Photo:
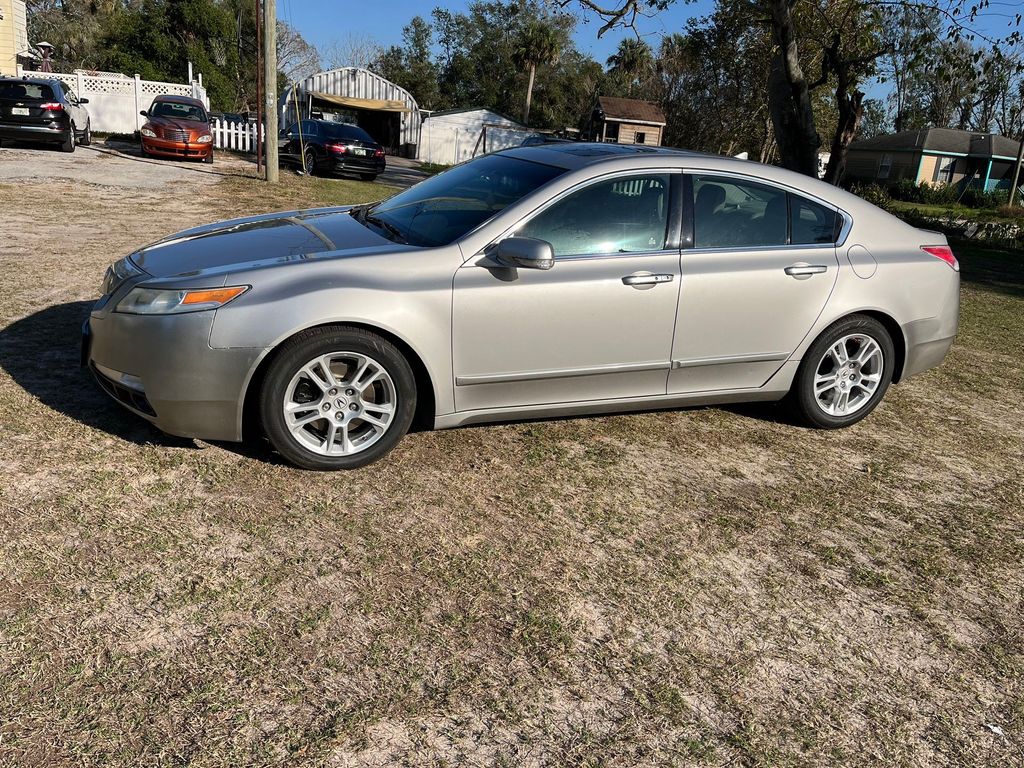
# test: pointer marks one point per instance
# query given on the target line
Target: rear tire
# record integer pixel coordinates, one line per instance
(368, 176)
(844, 374)
(69, 142)
(309, 161)
(344, 416)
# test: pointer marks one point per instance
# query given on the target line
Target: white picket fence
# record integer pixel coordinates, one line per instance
(240, 137)
(115, 100)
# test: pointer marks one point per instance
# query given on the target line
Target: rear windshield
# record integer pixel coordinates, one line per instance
(27, 91)
(344, 131)
(178, 111)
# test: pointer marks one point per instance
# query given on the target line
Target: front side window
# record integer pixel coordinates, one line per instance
(729, 213)
(624, 215)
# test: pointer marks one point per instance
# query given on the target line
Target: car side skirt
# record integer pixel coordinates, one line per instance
(774, 389)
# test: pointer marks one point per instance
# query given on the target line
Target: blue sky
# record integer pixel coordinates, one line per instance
(324, 21)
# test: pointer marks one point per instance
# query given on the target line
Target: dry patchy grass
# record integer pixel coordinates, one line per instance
(697, 587)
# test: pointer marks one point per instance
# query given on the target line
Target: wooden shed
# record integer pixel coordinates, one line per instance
(627, 121)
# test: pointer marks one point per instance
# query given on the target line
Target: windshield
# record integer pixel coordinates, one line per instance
(443, 208)
(179, 111)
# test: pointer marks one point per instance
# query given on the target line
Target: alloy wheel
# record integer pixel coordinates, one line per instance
(848, 374)
(340, 404)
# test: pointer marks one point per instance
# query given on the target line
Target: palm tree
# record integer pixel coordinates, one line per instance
(538, 43)
(632, 63)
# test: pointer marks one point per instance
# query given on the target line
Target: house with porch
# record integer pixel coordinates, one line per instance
(934, 156)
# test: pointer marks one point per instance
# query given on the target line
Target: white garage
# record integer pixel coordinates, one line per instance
(455, 135)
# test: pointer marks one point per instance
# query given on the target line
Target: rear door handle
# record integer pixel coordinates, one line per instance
(646, 279)
(805, 270)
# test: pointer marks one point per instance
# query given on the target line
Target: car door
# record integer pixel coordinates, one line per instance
(597, 325)
(758, 266)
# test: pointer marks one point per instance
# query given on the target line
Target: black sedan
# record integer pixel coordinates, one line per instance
(326, 146)
(45, 110)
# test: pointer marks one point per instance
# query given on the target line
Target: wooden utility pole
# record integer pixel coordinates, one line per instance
(270, 85)
(259, 89)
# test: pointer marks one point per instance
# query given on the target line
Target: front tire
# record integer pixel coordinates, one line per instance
(844, 374)
(368, 176)
(337, 398)
(87, 136)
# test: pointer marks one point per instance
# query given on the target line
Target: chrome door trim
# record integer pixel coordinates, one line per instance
(769, 357)
(559, 373)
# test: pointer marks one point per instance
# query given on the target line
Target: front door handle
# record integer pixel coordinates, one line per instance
(646, 279)
(805, 270)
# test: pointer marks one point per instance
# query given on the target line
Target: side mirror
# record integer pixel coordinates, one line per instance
(83, 101)
(144, 113)
(526, 252)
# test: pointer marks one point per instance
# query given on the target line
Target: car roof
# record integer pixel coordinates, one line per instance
(32, 80)
(174, 99)
(577, 154)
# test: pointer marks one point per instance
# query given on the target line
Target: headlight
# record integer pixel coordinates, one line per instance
(148, 132)
(117, 273)
(205, 139)
(158, 301)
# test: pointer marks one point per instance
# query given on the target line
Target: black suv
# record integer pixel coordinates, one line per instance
(43, 109)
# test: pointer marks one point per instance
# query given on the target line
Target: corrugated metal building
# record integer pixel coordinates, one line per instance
(386, 111)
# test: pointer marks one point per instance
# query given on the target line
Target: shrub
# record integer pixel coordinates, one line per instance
(1011, 211)
(976, 198)
(875, 194)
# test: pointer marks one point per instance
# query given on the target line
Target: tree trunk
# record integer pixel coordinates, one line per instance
(789, 98)
(851, 110)
(529, 95)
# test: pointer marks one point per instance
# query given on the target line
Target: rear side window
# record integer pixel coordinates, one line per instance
(26, 91)
(811, 223)
(729, 213)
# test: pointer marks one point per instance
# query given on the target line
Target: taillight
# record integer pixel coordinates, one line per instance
(943, 252)
(338, 149)
(379, 153)
(52, 106)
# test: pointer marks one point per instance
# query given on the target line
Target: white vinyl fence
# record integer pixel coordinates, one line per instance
(240, 137)
(116, 100)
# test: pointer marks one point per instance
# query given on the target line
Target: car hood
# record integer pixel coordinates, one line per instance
(191, 126)
(258, 241)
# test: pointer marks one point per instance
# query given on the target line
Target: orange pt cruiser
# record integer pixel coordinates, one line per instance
(177, 126)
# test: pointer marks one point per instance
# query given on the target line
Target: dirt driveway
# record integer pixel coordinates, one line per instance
(694, 587)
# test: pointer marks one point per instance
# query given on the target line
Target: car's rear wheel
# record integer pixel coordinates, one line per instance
(309, 161)
(844, 374)
(337, 398)
(368, 176)
(69, 141)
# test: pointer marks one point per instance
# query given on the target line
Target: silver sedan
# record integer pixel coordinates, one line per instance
(541, 281)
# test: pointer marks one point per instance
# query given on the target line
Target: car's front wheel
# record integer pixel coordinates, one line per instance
(309, 161)
(87, 136)
(337, 398)
(844, 374)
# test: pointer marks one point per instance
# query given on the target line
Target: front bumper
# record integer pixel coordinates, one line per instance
(180, 149)
(163, 369)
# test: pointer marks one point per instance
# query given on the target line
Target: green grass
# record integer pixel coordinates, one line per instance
(692, 587)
